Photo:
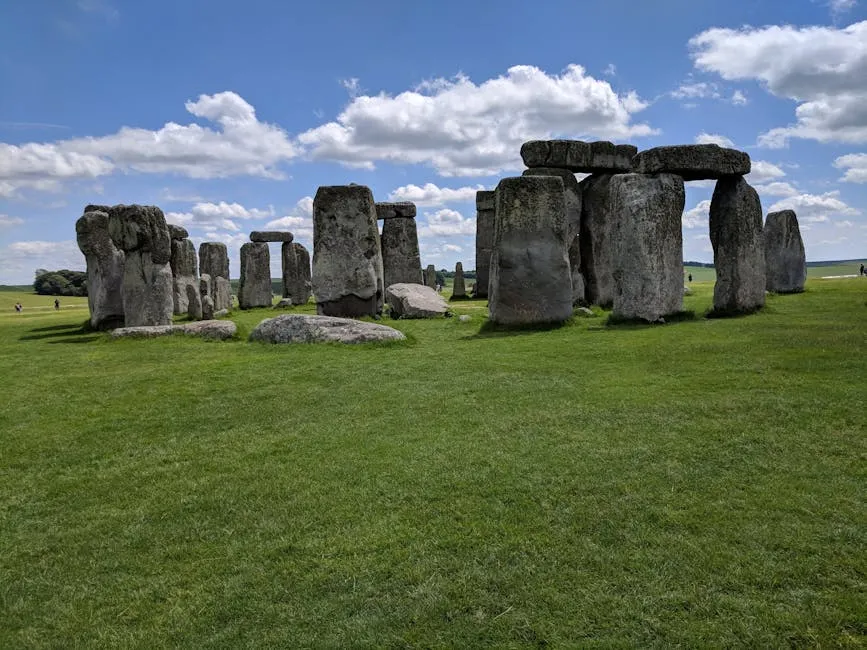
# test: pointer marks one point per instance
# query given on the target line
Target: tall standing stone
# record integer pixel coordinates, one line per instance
(430, 276)
(785, 259)
(205, 289)
(296, 273)
(401, 261)
(347, 258)
(485, 219)
(530, 280)
(104, 270)
(141, 232)
(184, 263)
(214, 262)
(648, 260)
(459, 288)
(738, 249)
(597, 245)
(254, 288)
(578, 290)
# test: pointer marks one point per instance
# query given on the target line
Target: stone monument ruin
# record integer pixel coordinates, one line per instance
(105, 263)
(401, 260)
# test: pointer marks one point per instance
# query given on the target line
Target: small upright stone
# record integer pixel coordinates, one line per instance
(401, 260)
(185, 272)
(296, 273)
(577, 156)
(104, 270)
(402, 209)
(530, 277)
(693, 162)
(459, 287)
(254, 289)
(347, 257)
(214, 262)
(430, 276)
(596, 243)
(485, 220)
(265, 236)
(738, 250)
(785, 259)
(205, 284)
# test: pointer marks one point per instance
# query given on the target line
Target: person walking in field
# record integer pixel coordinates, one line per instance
(18, 307)
(57, 304)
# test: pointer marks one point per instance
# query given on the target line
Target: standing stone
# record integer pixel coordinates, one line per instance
(296, 273)
(104, 270)
(401, 261)
(184, 263)
(430, 276)
(205, 288)
(573, 195)
(578, 291)
(738, 250)
(214, 262)
(597, 245)
(254, 289)
(648, 260)
(530, 280)
(141, 232)
(785, 259)
(347, 258)
(459, 288)
(485, 220)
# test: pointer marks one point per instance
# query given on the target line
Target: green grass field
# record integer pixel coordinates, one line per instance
(698, 484)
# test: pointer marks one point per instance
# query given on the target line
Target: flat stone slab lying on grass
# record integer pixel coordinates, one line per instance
(578, 156)
(415, 301)
(693, 162)
(305, 328)
(265, 236)
(206, 329)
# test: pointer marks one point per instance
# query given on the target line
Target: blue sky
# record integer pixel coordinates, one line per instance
(229, 115)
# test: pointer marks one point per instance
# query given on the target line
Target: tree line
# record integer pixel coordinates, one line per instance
(60, 283)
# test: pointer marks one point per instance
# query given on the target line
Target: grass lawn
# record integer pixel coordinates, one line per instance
(695, 484)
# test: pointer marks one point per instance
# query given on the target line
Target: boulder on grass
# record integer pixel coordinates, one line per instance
(415, 301)
(303, 328)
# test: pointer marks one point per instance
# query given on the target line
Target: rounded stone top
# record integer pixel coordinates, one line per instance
(140, 228)
(178, 232)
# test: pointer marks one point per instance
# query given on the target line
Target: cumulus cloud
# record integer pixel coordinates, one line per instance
(697, 217)
(20, 259)
(763, 171)
(7, 222)
(855, 165)
(217, 215)
(42, 167)
(777, 189)
(738, 98)
(447, 222)
(696, 90)
(461, 128)
(713, 138)
(299, 220)
(815, 208)
(820, 67)
(432, 195)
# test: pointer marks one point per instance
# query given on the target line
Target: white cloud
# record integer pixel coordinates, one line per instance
(697, 217)
(299, 220)
(777, 188)
(855, 165)
(452, 248)
(610, 70)
(447, 222)
(42, 167)
(20, 259)
(713, 138)
(763, 171)
(696, 90)
(464, 129)
(815, 208)
(841, 6)
(217, 215)
(844, 224)
(738, 98)
(820, 67)
(7, 222)
(430, 194)
(352, 86)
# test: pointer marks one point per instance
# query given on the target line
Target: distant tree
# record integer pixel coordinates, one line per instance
(61, 283)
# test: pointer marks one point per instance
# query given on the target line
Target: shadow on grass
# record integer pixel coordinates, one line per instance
(56, 328)
(491, 330)
(53, 335)
(78, 339)
(732, 313)
(617, 322)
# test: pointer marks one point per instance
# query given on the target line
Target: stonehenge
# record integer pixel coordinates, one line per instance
(693, 162)
(459, 288)
(485, 220)
(595, 242)
(214, 262)
(105, 263)
(266, 236)
(401, 260)
(185, 281)
(297, 285)
(785, 260)
(576, 156)
(254, 289)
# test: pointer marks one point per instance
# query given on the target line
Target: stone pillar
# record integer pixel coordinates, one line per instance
(347, 258)
(459, 289)
(214, 262)
(401, 261)
(254, 289)
(141, 232)
(484, 240)
(785, 258)
(648, 259)
(578, 290)
(738, 249)
(530, 281)
(185, 281)
(104, 270)
(205, 288)
(430, 276)
(296, 273)
(596, 243)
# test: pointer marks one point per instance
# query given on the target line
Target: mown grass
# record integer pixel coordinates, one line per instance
(698, 484)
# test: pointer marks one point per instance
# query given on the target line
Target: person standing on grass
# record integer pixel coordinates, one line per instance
(861, 272)
(57, 304)
(690, 277)
(18, 307)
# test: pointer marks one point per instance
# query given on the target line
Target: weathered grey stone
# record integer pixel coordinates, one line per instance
(430, 276)
(694, 162)
(104, 270)
(220, 313)
(347, 258)
(785, 259)
(401, 261)
(530, 277)
(687, 291)
(395, 210)
(271, 236)
(222, 294)
(194, 303)
(184, 263)
(485, 222)
(206, 329)
(414, 301)
(738, 250)
(91, 207)
(302, 328)
(206, 289)
(297, 285)
(284, 303)
(585, 312)
(595, 241)
(577, 156)
(141, 232)
(465, 318)
(214, 262)
(578, 290)
(573, 196)
(177, 232)
(648, 261)
(459, 287)
(254, 289)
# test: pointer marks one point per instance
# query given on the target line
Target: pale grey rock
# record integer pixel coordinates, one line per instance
(738, 249)
(140, 228)
(221, 313)
(648, 262)
(184, 264)
(459, 287)
(430, 276)
(693, 162)
(265, 236)
(208, 308)
(578, 288)
(254, 289)
(104, 270)
(785, 258)
(177, 232)
(595, 241)
(214, 261)
(485, 222)
(401, 209)
(465, 318)
(585, 312)
(218, 330)
(573, 196)
(530, 279)
(401, 261)
(194, 303)
(687, 291)
(347, 258)
(284, 303)
(415, 301)
(577, 156)
(222, 294)
(303, 328)
(297, 285)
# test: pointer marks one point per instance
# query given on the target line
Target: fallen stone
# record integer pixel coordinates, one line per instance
(265, 236)
(459, 287)
(177, 232)
(254, 289)
(577, 156)
(401, 261)
(415, 301)
(395, 210)
(785, 259)
(184, 265)
(206, 329)
(485, 221)
(284, 303)
(530, 279)
(693, 162)
(303, 328)
(738, 249)
(595, 240)
(221, 313)
(105, 263)
(648, 262)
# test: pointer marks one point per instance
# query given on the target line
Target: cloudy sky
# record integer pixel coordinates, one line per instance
(230, 114)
